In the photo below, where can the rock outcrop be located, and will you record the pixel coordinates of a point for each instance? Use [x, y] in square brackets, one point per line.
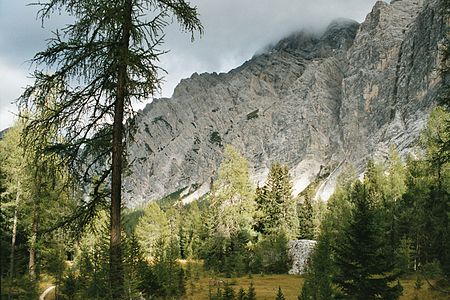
[300, 251]
[313, 102]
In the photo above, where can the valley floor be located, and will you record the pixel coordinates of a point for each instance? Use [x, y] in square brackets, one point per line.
[266, 287]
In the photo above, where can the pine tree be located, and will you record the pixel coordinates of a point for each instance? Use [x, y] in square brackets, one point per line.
[437, 205]
[251, 293]
[228, 292]
[241, 294]
[364, 270]
[305, 219]
[318, 283]
[276, 208]
[280, 295]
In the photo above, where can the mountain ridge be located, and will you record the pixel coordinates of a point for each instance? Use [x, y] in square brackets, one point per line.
[313, 102]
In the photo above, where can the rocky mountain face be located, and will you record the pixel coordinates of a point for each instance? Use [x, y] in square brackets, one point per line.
[314, 102]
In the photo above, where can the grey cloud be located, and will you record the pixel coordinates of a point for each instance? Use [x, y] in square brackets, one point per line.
[234, 31]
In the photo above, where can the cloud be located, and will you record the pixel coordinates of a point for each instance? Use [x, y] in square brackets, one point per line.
[14, 78]
[234, 31]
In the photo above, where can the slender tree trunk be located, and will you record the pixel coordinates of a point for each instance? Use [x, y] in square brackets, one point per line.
[33, 240]
[35, 227]
[116, 267]
[13, 238]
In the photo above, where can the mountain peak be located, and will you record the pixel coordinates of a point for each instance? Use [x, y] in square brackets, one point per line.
[314, 102]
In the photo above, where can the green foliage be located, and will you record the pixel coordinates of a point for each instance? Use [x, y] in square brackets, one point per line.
[101, 63]
[34, 199]
[152, 227]
[306, 220]
[190, 230]
[251, 293]
[404, 256]
[171, 199]
[364, 270]
[215, 138]
[241, 294]
[276, 208]
[232, 197]
[228, 292]
[419, 283]
[20, 287]
[271, 255]
[280, 295]
[169, 276]
[318, 279]
[69, 285]
[228, 255]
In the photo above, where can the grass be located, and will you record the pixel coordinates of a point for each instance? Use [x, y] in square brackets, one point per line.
[201, 283]
[266, 287]
[424, 293]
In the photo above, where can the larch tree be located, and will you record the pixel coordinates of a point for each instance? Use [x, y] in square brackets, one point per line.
[152, 228]
[13, 167]
[84, 86]
[232, 197]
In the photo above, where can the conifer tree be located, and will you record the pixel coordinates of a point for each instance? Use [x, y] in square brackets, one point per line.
[276, 208]
[241, 294]
[152, 228]
[251, 293]
[232, 196]
[100, 64]
[318, 279]
[364, 271]
[228, 292]
[305, 219]
[280, 295]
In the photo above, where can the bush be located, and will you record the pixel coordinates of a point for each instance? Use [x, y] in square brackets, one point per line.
[271, 255]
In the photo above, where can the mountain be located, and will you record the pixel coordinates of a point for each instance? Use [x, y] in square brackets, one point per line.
[316, 102]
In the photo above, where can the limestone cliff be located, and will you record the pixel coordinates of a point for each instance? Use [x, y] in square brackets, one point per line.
[313, 102]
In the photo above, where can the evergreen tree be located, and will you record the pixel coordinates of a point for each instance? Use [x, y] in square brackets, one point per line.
[437, 205]
[251, 293]
[271, 254]
[318, 279]
[306, 219]
[241, 294]
[228, 292]
[35, 197]
[364, 270]
[276, 208]
[13, 167]
[280, 295]
[190, 230]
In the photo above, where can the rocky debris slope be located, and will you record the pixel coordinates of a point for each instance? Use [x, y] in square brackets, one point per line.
[313, 102]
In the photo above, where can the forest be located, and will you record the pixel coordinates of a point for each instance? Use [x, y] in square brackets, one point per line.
[383, 234]
[390, 225]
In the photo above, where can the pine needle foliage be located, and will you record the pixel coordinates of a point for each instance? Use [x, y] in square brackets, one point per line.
[84, 86]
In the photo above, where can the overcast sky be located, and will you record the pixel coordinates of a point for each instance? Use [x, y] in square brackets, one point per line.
[234, 31]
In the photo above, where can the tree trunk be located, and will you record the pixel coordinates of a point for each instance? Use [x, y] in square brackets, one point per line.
[35, 226]
[13, 238]
[115, 263]
[33, 240]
